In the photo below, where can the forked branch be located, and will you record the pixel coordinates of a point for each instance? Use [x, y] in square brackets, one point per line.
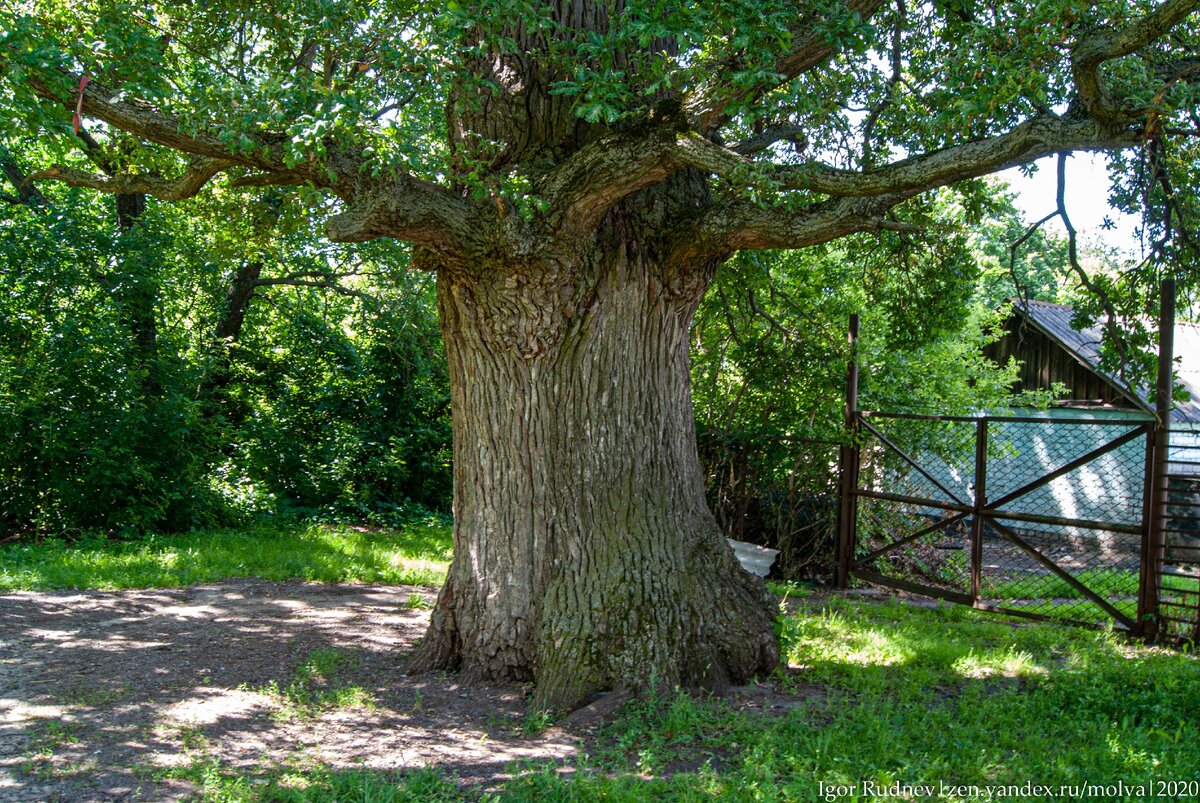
[598, 177]
[198, 173]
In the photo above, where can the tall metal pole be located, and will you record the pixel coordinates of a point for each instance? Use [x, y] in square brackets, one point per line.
[981, 444]
[1164, 389]
[849, 459]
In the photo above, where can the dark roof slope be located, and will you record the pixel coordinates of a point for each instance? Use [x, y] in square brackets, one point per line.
[1055, 321]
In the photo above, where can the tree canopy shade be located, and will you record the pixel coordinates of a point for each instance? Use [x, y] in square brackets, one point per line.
[575, 172]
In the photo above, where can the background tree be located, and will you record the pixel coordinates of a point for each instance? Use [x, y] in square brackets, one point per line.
[283, 376]
[575, 173]
[769, 354]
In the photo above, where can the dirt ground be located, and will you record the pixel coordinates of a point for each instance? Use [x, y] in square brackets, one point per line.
[101, 693]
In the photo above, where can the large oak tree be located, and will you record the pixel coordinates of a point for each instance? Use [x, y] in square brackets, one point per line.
[575, 172]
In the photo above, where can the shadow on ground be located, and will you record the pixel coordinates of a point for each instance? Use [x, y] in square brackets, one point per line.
[103, 693]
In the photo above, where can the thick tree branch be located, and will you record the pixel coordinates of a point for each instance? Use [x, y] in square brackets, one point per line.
[199, 171]
[811, 47]
[748, 226]
[405, 208]
[583, 188]
[1092, 51]
[1027, 142]
[146, 122]
[26, 191]
[268, 180]
[760, 142]
[95, 152]
[596, 178]
[323, 284]
[418, 212]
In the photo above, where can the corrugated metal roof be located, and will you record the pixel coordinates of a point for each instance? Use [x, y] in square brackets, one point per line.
[1055, 321]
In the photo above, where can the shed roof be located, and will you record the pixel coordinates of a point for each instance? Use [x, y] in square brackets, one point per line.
[1055, 321]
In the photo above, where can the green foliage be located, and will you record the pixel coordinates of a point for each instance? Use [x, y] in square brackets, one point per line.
[1038, 270]
[98, 427]
[770, 354]
[343, 413]
[216, 784]
[122, 411]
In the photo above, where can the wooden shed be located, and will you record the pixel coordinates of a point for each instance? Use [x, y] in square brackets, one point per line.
[1040, 336]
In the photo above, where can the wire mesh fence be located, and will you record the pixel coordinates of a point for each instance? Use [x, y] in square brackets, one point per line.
[1179, 583]
[1040, 516]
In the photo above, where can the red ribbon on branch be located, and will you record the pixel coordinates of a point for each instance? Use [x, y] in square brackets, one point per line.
[77, 120]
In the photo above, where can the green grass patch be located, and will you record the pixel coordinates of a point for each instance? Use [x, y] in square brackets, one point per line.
[215, 784]
[416, 554]
[1050, 595]
[317, 686]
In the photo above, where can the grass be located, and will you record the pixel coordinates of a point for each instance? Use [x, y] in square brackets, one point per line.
[416, 554]
[316, 686]
[881, 693]
[48, 737]
[215, 784]
[1109, 583]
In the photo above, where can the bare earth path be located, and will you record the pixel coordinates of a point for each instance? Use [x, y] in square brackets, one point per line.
[102, 692]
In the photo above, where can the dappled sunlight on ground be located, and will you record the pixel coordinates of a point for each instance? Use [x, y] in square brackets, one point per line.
[103, 693]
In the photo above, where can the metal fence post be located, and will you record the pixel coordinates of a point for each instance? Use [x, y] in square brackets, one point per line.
[849, 456]
[1152, 559]
[980, 502]
[1147, 602]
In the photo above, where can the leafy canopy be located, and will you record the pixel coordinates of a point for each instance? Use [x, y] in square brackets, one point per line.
[812, 100]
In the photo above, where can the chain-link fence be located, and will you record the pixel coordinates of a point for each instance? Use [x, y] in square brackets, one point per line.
[916, 479]
[1036, 515]
[1179, 583]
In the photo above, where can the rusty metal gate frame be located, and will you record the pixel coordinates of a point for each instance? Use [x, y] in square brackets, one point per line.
[1165, 612]
[984, 512]
[1178, 608]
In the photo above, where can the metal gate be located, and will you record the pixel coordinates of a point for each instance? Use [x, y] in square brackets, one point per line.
[1042, 516]
[1176, 562]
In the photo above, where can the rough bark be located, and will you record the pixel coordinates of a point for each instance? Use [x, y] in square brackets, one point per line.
[585, 555]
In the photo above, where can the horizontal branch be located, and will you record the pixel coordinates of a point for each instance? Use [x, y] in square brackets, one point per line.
[144, 121]
[268, 180]
[1041, 136]
[1027, 142]
[418, 212]
[405, 207]
[198, 173]
[746, 226]
[322, 284]
[758, 143]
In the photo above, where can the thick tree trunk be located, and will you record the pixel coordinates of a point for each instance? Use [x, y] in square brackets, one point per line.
[585, 555]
